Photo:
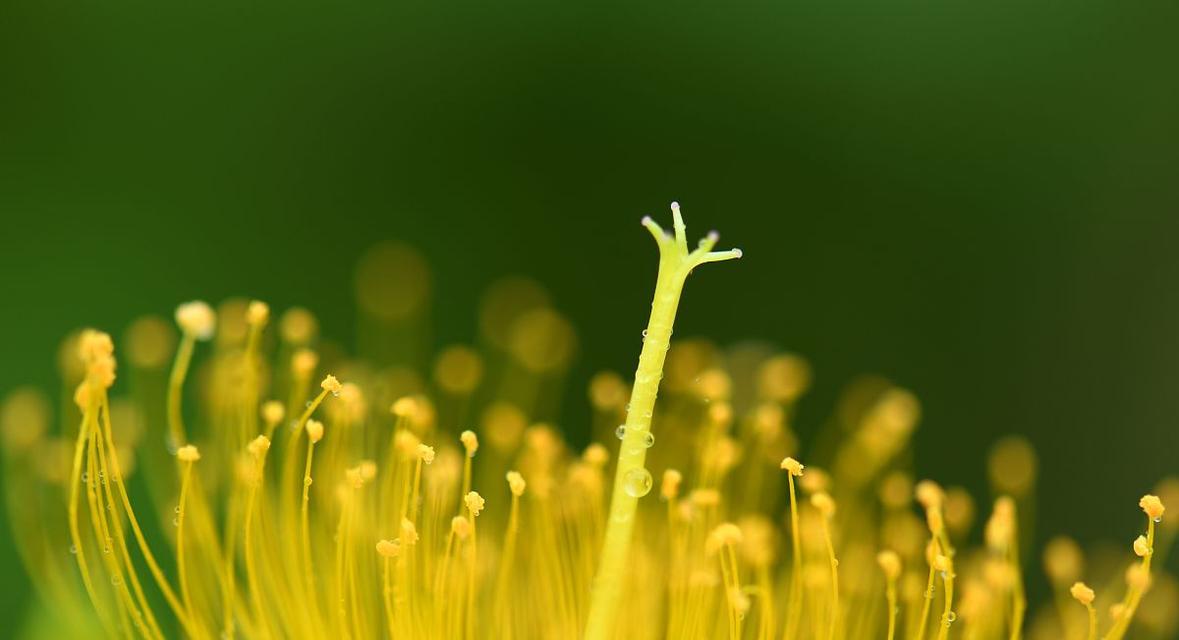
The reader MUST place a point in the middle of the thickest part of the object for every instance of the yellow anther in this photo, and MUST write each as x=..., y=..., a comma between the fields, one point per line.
x=739, y=600
x=929, y=494
x=1082, y=593
x=331, y=385
x=314, y=430
x=1063, y=561
x=596, y=455
x=94, y=344
x=705, y=497
x=406, y=442
x=470, y=442
x=458, y=370
x=353, y=477
x=461, y=527
x=608, y=391
x=298, y=326
x=890, y=564
x=196, y=319
x=794, y=467
x=102, y=370
x=409, y=533
x=1137, y=577
x=426, y=453
x=304, y=362
x=258, y=446
x=823, y=502
x=815, y=481
x=188, y=453
x=1152, y=506
x=273, y=412
x=1141, y=547
x=257, y=313
x=405, y=407
x=516, y=483
x=389, y=548
x=474, y=502
x=723, y=535
x=82, y=395
x=670, y=488
x=942, y=563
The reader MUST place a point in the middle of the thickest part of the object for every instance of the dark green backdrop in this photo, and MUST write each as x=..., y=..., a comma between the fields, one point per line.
x=978, y=200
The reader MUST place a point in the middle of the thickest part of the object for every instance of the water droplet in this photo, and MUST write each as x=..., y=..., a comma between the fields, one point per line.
x=307, y=404
x=835, y=561
x=306, y=482
x=176, y=509
x=106, y=549
x=648, y=439
x=620, y=431
x=951, y=617
x=644, y=333
x=85, y=477
x=1159, y=519
x=116, y=580
x=175, y=522
x=73, y=550
x=637, y=483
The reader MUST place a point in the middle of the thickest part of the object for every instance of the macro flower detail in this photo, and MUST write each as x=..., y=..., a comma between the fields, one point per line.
x=244, y=492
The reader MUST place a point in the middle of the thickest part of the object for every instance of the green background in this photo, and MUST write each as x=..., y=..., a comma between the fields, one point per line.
x=977, y=200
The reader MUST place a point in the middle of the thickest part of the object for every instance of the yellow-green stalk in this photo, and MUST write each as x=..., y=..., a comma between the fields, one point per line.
x=631, y=479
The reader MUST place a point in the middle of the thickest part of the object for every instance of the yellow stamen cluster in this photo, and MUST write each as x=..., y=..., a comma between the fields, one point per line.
x=273, y=532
